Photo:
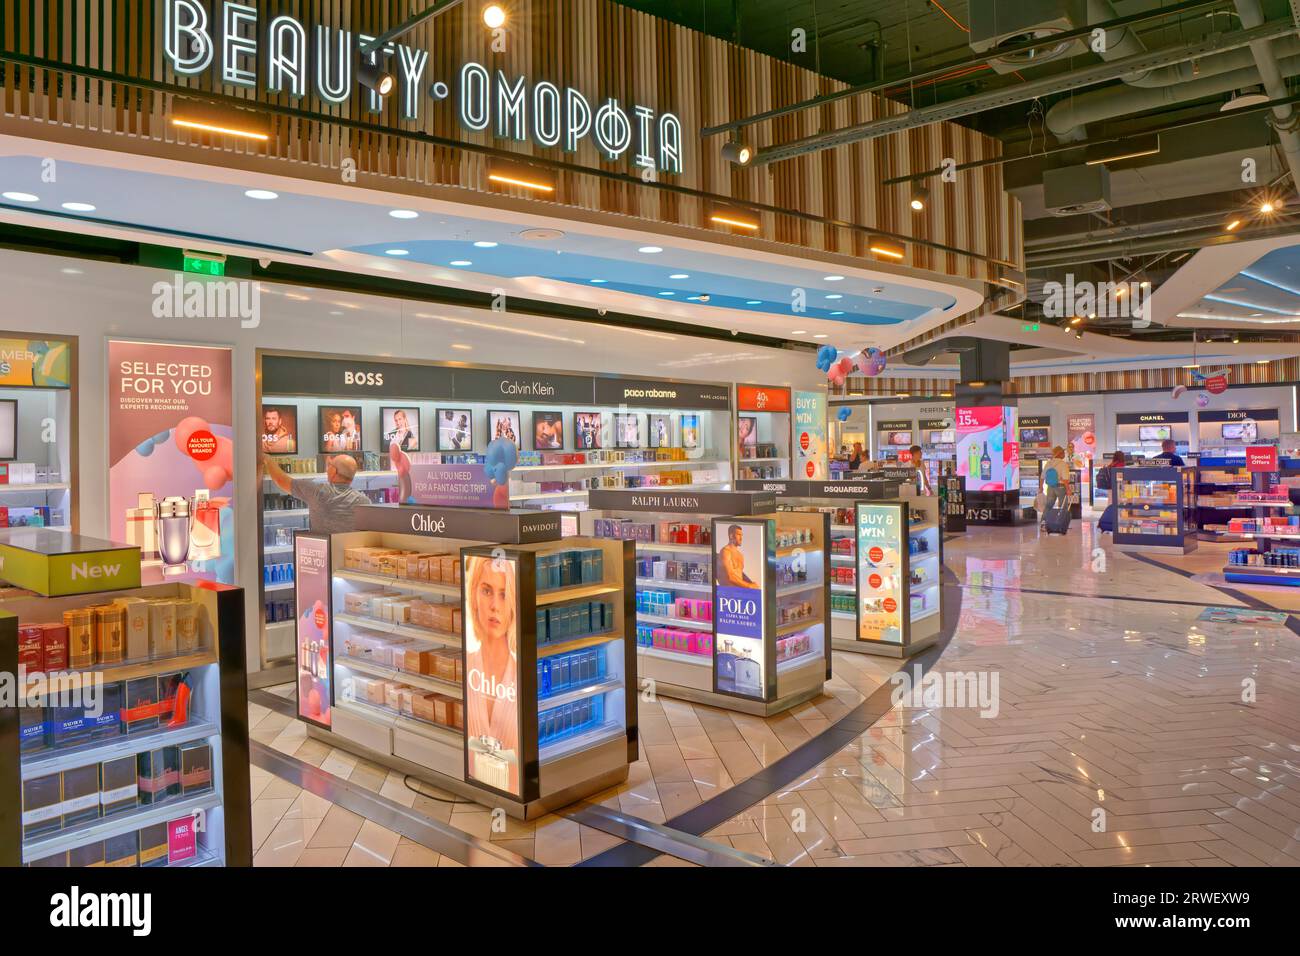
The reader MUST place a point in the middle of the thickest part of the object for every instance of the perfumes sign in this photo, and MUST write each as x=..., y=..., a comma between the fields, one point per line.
x=171, y=459
x=281, y=54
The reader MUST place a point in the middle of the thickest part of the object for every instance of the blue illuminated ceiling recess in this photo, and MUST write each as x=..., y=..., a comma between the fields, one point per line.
x=221, y=212
x=1266, y=293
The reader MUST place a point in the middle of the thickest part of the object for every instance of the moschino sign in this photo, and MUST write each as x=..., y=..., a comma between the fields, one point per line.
x=283, y=56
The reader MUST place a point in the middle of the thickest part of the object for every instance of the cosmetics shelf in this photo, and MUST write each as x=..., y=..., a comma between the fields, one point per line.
x=41, y=847
x=274, y=588
x=618, y=465
x=552, y=648
x=578, y=693
x=423, y=728
x=785, y=590
x=38, y=685
x=670, y=546
x=568, y=746
x=560, y=595
x=674, y=585
x=409, y=584
x=686, y=622
x=6, y=489
x=286, y=513
x=683, y=657
x=443, y=638
x=426, y=681
x=843, y=558
x=792, y=663
x=46, y=762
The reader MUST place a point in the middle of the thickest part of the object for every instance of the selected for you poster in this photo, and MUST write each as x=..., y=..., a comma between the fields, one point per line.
x=311, y=594
x=171, y=459
x=738, y=607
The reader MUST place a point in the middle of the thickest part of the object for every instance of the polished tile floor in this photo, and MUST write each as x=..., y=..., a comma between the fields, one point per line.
x=1120, y=737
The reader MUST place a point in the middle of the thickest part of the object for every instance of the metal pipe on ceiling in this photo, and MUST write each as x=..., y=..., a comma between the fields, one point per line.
x=1157, y=244
x=1285, y=120
x=1023, y=92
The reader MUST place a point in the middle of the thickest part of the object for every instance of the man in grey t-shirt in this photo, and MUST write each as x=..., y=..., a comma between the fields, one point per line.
x=329, y=502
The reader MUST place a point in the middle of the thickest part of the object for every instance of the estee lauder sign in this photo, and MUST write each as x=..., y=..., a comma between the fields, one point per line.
x=290, y=61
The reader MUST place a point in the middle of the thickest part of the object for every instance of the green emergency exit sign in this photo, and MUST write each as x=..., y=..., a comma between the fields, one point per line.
x=204, y=264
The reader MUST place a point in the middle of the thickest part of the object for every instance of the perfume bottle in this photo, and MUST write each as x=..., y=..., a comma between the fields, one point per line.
x=173, y=532
x=141, y=526
x=205, y=529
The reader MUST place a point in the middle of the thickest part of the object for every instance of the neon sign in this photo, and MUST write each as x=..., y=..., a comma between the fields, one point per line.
x=292, y=60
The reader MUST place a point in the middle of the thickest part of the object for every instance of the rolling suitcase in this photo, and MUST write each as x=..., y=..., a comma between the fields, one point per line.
x=1057, y=520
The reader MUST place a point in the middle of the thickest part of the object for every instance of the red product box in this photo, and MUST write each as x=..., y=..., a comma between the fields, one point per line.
x=4, y=516
x=575, y=459
x=31, y=647
x=55, y=646
x=4, y=474
x=181, y=843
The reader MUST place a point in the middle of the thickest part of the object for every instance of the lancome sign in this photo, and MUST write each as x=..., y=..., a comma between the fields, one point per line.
x=282, y=55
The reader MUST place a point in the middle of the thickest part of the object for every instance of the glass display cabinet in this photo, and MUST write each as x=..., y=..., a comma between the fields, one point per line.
x=1156, y=509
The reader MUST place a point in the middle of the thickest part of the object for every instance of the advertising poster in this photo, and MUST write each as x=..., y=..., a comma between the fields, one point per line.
x=739, y=573
x=504, y=424
x=457, y=486
x=455, y=429
x=171, y=459
x=340, y=428
x=312, y=612
x=988, y=457
x=401, y=427
x=880, y=572
x=35, y=362
x=810, y=454
x=1081, y=431
x=492, y=715
x=280, y=429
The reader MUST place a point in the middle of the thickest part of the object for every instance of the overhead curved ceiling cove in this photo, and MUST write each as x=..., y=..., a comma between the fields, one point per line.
x=841, y=301
x=1250, y=286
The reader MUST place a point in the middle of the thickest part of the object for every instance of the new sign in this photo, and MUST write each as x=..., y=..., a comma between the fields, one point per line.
x=54, y=563
x=233, y=41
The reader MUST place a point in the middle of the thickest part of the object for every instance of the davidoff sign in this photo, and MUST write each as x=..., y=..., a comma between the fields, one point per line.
x=231, y=39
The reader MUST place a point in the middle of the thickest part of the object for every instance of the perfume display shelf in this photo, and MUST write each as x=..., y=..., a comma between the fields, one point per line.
x=484, y=654
x=1156, y=509
x=127, y=744
x=761, y=648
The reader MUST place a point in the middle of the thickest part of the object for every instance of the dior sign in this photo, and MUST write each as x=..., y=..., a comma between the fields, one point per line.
x=289, y=59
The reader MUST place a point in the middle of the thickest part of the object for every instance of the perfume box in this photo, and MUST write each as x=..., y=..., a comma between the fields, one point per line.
x=69, y=726
x=119, y=787
x=122, y=850
x=157, y=775
x=140, y=705
x=187, y=627
x=153, y=845
x=136, y=627
x=80, y=795
x=162, y=629
x=141, y=529
x=108, y=723
x=33, y=729
x=195, y=767
x=182, y=841
x=42, y=805
x=168, y=687
x=31, y=648
x=81, y=637
x=57, y=860
x=54, y=644
x=88, y=854
x=108, y=623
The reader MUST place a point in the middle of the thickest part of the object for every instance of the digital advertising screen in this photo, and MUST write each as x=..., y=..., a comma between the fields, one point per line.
x=880, y=572
x=493, y=722
x=313, y=628
x=988, y=458
x=739, y=574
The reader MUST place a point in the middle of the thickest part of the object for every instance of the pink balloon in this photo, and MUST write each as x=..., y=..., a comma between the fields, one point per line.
x=501, y=496
x=846, y=365
x=187, y=427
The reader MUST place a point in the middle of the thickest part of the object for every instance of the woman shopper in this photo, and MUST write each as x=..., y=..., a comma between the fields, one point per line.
x=1054, y=483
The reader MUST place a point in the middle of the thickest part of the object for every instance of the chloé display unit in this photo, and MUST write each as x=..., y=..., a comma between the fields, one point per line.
x=128, y=742
x=471, y=648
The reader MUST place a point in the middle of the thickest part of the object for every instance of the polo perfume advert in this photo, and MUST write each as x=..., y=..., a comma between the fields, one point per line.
x=881, y=593
x=311, y=555
x=492, y=717
x=171, y=459
x=988, y=455
x=738, y=613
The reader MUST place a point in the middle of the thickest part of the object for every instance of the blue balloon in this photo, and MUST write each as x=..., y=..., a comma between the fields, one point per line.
x=145, y=448
x=844, y=413
x=826, y=356
x=501, y=457
x=162, y=436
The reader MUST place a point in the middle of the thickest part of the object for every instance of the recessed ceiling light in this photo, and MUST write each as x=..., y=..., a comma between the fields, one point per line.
x=261, y=194
x=799, y=332
x=484, y=244
x=403, y=213
x=396, y=252
x=753, y=302
x=837, y=313
x=1261, y=361
x=667, y=293
x=336, y=312
x=461, y=262
x=820, y=335
x=650, y=250
x=832, y=278
x=679, y=275
x=21, y=197
x=71, y=272
x=835, y=295
x=462, y=346
x=78, y=207
x=599, y=281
